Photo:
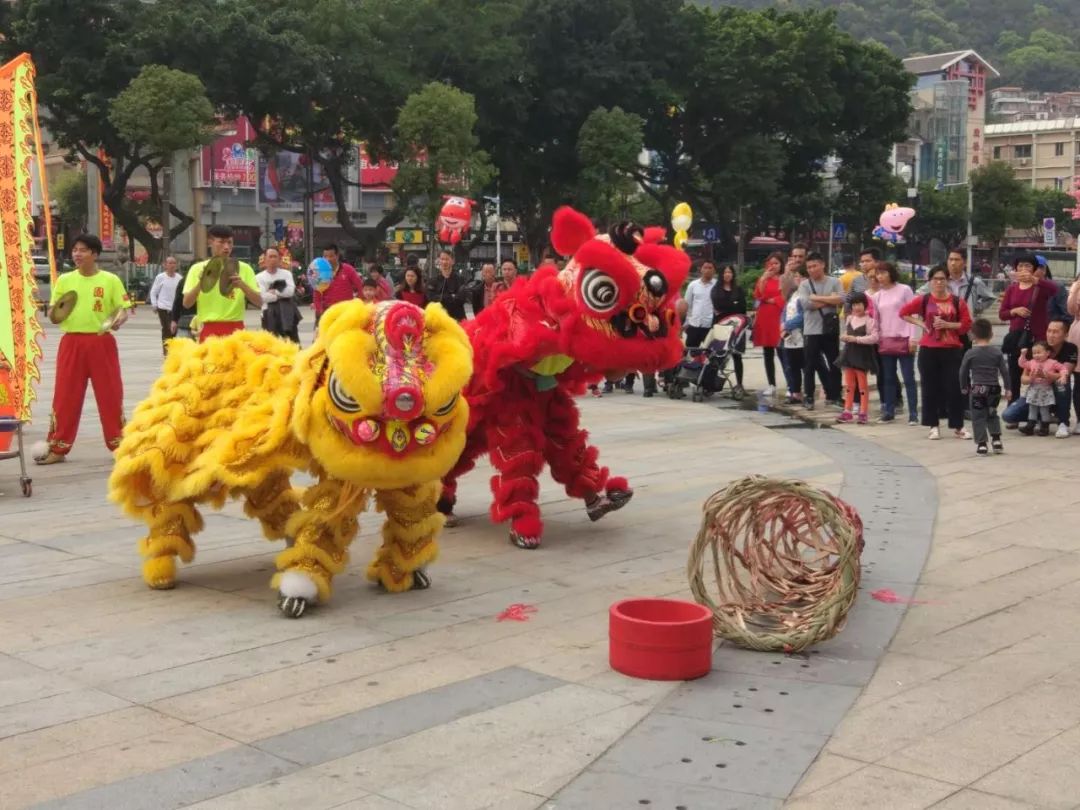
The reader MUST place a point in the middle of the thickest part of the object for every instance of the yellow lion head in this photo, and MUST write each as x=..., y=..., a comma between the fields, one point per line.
x=380, y=400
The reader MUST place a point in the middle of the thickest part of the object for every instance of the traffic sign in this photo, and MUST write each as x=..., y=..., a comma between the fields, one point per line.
x=711, y=233
x=1049, y=231
x=839, y=231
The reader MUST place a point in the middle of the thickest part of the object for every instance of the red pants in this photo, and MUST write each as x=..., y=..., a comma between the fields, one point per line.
x=856, y=378
x=219, y=329
x=84, y=358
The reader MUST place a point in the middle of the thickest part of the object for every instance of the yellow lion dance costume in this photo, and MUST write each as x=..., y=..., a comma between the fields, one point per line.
x=373, y=406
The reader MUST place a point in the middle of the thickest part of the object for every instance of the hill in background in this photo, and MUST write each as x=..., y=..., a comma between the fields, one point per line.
x=1033, y=43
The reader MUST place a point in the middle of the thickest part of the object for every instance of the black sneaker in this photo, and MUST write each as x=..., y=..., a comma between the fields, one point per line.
x=981, y=449
x=1028, y=429
x=995, y=442
x=1044, y=429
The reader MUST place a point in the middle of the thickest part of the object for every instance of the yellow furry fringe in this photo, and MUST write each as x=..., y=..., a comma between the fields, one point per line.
x=160, y=572
x=237, y=415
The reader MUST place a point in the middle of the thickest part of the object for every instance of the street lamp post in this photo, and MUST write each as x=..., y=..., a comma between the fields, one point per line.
x=497, y=200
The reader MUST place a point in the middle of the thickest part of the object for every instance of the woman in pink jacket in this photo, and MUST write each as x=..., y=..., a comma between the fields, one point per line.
x=898, y=341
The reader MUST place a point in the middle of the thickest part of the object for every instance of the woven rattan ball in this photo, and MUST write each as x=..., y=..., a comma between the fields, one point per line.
x=785, y=559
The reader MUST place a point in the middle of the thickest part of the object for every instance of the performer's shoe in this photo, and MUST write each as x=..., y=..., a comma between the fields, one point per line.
x=292, y=607
x=50, y=458
x=420, y=581
x=602, y=504
x=527, y=543
x=451, y=521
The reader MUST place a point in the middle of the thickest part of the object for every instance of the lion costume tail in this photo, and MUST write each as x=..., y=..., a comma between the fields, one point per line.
x=215, y=406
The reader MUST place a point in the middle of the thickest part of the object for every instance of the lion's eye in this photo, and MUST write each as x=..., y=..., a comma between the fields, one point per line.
x=340, y=397
x=449, y=406
x=599, y=291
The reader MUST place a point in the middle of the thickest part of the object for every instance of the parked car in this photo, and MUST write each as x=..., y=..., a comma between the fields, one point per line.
x=44, y=280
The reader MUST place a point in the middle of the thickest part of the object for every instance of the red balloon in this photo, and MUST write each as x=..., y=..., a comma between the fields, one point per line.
x=453, y=220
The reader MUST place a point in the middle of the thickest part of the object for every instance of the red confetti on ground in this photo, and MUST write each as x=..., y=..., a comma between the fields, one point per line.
x=891, y=597
x=517, y=613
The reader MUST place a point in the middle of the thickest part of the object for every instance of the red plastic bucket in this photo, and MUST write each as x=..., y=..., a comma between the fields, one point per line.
x=660, y=639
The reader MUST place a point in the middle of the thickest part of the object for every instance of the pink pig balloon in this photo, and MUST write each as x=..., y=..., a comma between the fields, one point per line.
x=894, y=219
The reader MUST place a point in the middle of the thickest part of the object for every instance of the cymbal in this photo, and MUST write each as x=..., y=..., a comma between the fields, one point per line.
x=212, y=274
x=107, y=325
x=59, y=311
x=231, y=268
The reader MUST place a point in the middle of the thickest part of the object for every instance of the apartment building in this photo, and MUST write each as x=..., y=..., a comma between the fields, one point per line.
x=1044, y=153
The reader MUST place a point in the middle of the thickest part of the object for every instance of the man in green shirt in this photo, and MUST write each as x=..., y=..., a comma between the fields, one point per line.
x=95, y=304
x=221, y=314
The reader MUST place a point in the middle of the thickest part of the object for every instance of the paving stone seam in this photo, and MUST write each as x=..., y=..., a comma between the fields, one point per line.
x=854, y=455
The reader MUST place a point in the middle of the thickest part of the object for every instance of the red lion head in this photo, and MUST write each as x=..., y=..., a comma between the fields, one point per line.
x=625, y=285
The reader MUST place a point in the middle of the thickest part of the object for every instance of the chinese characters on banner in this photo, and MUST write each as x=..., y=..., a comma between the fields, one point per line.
x=228, y=160
x=105, y=216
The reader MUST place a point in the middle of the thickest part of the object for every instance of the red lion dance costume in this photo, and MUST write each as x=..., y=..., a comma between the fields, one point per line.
x=611, y=310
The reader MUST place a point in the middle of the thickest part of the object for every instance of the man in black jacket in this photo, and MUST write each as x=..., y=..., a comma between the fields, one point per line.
x=447, y=288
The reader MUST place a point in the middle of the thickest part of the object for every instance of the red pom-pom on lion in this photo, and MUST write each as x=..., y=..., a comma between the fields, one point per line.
x=610, y=311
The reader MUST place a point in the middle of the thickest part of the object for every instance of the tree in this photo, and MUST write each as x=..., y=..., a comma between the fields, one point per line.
x=1000, y=202
x=573, y=56
x=438, y=151
x=939, y=215
x=326, y=75
x=70, y=192
x=85, y=58
x=609, y=145
x=161, y=112
x=1059, y=205
x=762, y=99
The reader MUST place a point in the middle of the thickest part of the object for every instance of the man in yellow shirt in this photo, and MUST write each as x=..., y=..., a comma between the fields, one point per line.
x=87, y=351
x=220, y=314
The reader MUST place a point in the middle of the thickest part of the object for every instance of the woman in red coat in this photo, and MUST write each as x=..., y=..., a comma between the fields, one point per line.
x=770, y=306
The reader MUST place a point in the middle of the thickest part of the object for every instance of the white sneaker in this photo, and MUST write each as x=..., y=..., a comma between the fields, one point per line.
x=769, y=391
x=935, y=434
x=962, y=433
x=1062, y=432
x=1076, y=428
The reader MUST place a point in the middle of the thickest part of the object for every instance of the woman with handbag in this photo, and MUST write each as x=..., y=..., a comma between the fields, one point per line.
x=943, y=319
x=1025, y=306
x=898, y=342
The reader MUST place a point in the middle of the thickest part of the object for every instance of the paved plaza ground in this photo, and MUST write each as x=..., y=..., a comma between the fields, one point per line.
x=112, y=695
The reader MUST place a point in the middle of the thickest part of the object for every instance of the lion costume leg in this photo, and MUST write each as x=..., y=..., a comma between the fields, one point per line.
x=573, y=460
x=273, y=503
x=171, y=527
x=322, y=530
x=475, y=446
x=516, y=440
x=409, y=537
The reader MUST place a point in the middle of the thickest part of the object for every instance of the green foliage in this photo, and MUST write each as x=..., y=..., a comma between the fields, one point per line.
x=438, y=150
x=608, y=146
x=1001, y=202
x=940, y=215
x=87, y=54
x=69, y=191
x=1040, y=49
x=164, y=110
x=1049, y=202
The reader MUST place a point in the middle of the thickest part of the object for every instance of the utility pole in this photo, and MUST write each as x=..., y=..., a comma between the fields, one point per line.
x=971, y=210
x=739, y=254
x=497, y=199
x=309, y=212
x=213, y=184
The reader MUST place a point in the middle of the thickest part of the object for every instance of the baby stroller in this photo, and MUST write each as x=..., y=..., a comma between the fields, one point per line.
x=708, y=368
